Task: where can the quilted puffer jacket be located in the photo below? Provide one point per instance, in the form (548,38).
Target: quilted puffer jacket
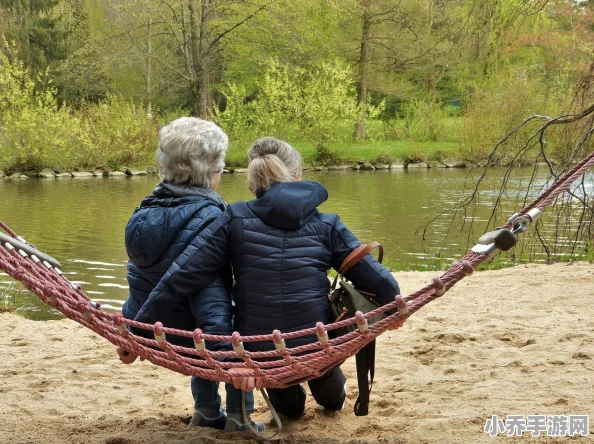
(158,232)
(281,248)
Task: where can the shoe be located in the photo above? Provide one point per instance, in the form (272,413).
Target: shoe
(233,425)
(199,420)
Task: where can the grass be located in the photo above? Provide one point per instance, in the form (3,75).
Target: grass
(349,152)
(8,299)
(386,141)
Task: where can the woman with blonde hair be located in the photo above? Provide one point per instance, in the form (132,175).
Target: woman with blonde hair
(281,248)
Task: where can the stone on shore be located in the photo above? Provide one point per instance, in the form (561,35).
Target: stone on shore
(452,163)
(82,174)
(240,170)
(2,173)
(398,165)
(417,165)
(133,172)
(116,174)
(366,166)
(338,167)
(46,172)
(63,175)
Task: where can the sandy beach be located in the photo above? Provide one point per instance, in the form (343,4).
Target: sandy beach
(518,341)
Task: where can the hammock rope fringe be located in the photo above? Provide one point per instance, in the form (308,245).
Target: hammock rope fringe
(281,366)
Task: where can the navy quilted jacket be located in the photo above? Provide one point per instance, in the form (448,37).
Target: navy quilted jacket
(158,232)
(281,248)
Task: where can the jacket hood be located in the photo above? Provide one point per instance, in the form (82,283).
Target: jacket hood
(165,218)
(289,205)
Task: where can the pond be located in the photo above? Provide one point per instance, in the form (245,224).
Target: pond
(81,221)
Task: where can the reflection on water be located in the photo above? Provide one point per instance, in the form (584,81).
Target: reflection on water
(81,221)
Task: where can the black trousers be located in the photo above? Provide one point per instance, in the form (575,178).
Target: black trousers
(328,391)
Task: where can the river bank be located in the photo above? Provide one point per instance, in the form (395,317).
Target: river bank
(516,341)
(152,170)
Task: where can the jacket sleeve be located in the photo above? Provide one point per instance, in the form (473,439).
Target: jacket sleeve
(198,266)
(368,274)
(211,308)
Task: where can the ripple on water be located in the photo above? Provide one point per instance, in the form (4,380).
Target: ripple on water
(82,261)
(123,287)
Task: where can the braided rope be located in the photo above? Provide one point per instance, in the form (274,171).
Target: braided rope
(276,368)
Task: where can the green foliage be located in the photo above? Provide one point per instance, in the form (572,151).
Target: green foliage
(8,298)
(327,103)
(424,120)
(121,133)
(319,99)
(497,106)
(36,133)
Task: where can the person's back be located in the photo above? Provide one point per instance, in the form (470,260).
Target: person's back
(281,248)
(157,233)
(191,159)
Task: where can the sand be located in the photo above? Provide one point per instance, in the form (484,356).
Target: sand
(513,341)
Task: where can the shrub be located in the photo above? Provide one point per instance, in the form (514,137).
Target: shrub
(34,132)
(121,133)
(424,120)
(497,106)
(319,99)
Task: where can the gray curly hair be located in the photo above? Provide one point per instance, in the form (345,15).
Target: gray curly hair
(191,150)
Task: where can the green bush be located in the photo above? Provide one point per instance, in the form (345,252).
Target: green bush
(424,120)
(34,132)
(318,99)
(121,133)
(497,106)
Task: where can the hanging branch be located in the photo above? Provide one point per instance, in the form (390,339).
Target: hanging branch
(570,229)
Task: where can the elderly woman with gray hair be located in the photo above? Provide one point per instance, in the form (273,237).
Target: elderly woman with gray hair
(281,248)
(190,157)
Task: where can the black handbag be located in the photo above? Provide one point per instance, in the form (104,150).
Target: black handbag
(345,301)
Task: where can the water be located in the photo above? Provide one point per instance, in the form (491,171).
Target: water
(81,221)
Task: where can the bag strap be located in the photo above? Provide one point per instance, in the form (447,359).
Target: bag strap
(365,360)
(355,256)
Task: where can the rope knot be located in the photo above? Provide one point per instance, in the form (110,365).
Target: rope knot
(402,305)
(159,335)
(199,341)
(120,326)
(19,274)
(467,268)
(237,344)
(439,286)
(279,342)
(361,322)
(322,334)
(82,309)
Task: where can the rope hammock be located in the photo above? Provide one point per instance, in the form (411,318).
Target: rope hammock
(281,366)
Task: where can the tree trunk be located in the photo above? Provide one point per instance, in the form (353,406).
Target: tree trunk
(149,86)
(203,74)
(363,75)
(199,48)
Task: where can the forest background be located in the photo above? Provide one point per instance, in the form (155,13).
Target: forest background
(87,83)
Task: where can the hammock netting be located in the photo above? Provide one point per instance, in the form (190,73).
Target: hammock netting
(281,366)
